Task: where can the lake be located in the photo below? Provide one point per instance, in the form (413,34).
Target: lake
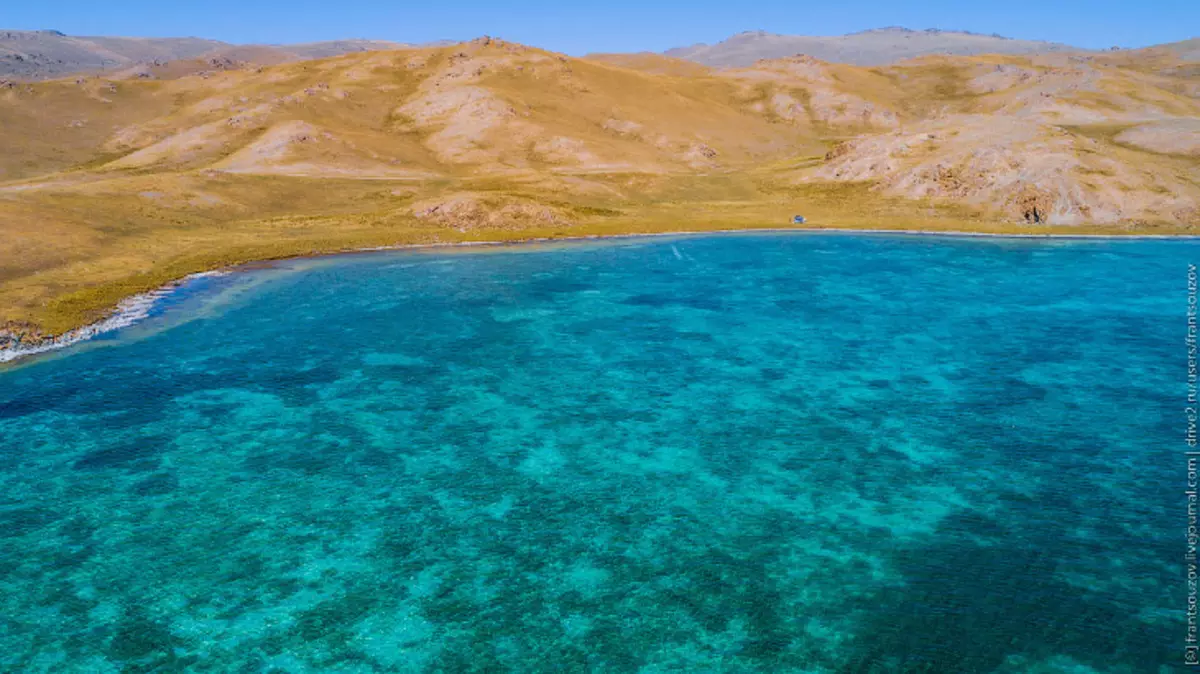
(734,453)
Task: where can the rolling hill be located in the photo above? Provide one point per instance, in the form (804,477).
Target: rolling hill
(114,184)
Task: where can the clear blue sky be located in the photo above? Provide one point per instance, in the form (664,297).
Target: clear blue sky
(579,26)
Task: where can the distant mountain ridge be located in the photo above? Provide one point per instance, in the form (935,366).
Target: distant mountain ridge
(42,54)
(877,46)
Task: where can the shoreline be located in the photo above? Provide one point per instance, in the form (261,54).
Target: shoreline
(128,311)
(135,308)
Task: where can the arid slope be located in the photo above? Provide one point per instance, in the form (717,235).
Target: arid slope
(113,185)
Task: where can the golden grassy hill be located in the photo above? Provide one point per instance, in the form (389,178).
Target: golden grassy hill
(112,185)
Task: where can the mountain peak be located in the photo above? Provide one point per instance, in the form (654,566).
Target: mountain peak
(752,34)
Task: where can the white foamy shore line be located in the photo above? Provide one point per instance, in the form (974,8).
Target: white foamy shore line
(137,307)
(127,312)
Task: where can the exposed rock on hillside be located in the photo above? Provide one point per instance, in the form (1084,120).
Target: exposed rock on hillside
(801,90)
(467,211)
(1028,171)
(1176,136)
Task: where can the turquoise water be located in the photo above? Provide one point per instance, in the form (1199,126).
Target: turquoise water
(750,453)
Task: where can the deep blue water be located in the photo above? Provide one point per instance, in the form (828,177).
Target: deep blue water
(751,453)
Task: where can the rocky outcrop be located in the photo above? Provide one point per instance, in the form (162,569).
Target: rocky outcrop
(1023,170)
(469,211)
(1176,136)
